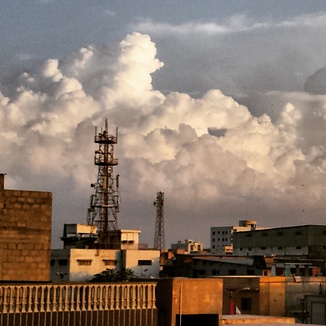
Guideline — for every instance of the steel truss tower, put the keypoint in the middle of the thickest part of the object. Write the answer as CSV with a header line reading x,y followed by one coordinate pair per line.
x,y
159,239
104,204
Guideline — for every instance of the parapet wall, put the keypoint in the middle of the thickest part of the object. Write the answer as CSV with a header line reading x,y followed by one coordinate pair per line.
x,y
25,235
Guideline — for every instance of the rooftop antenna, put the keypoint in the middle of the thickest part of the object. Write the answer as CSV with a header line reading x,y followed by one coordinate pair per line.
x,y
104,204
159,239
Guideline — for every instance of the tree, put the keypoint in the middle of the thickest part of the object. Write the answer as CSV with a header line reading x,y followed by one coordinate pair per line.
x,y
113,275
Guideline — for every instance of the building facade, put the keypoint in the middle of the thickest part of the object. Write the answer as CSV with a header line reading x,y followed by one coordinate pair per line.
x,y
25,234
304,240
80,260
222,236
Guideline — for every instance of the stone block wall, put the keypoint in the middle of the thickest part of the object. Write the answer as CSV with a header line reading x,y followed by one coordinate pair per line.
x,y
25,235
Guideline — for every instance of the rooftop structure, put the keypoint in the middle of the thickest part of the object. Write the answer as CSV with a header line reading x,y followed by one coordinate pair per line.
x,y
189,246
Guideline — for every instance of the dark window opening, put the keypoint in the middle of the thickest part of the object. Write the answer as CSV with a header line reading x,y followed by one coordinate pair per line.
x,y
144,262
246,304
109,262
63,262
84,262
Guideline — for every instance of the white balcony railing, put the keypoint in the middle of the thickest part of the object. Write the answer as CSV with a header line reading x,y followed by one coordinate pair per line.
x,y
49,298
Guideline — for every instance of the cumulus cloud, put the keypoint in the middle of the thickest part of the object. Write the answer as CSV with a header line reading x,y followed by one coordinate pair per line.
x,y
216,161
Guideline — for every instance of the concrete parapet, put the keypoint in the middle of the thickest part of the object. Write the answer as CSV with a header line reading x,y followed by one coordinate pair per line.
x,y
256,320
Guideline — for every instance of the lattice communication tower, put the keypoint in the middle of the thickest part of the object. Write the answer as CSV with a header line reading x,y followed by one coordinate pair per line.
x,y
104,204
159,239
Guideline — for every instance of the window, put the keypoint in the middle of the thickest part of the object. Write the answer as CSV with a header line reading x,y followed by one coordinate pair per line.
x,y
213,232
144,262
84,262
63,262
280,248
201,272
246,304
109,262
213,239
213,247
263,248
52,262
214,272
249,249
232,272
241,248
298,247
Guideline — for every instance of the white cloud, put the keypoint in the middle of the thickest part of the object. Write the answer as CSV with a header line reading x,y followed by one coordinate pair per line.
x,y
215,161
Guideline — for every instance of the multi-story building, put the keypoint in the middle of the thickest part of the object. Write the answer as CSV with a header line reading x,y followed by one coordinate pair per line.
x,y
80,260
189,246
25,234
222,236
305,240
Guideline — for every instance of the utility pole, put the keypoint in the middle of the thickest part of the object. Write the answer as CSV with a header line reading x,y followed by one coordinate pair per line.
x,y
104,204
159,239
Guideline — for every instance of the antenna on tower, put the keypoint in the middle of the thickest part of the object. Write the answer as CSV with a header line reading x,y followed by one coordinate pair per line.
x,y
104,204
159,239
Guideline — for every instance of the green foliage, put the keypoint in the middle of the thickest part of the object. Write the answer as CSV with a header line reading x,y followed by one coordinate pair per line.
x,y
113,275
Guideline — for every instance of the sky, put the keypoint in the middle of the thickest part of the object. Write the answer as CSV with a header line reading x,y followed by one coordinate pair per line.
x,y
219,104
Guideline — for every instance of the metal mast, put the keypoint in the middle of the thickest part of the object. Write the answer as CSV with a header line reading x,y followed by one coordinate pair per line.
x,y
104,204
159,240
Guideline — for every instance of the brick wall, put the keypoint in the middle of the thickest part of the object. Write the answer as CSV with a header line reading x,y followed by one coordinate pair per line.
x,y
25,235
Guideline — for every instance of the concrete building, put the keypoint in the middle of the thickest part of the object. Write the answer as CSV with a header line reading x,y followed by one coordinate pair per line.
x,y
25,234
189,246
182,301
203,266
302,298
305,240
222,236
82,260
